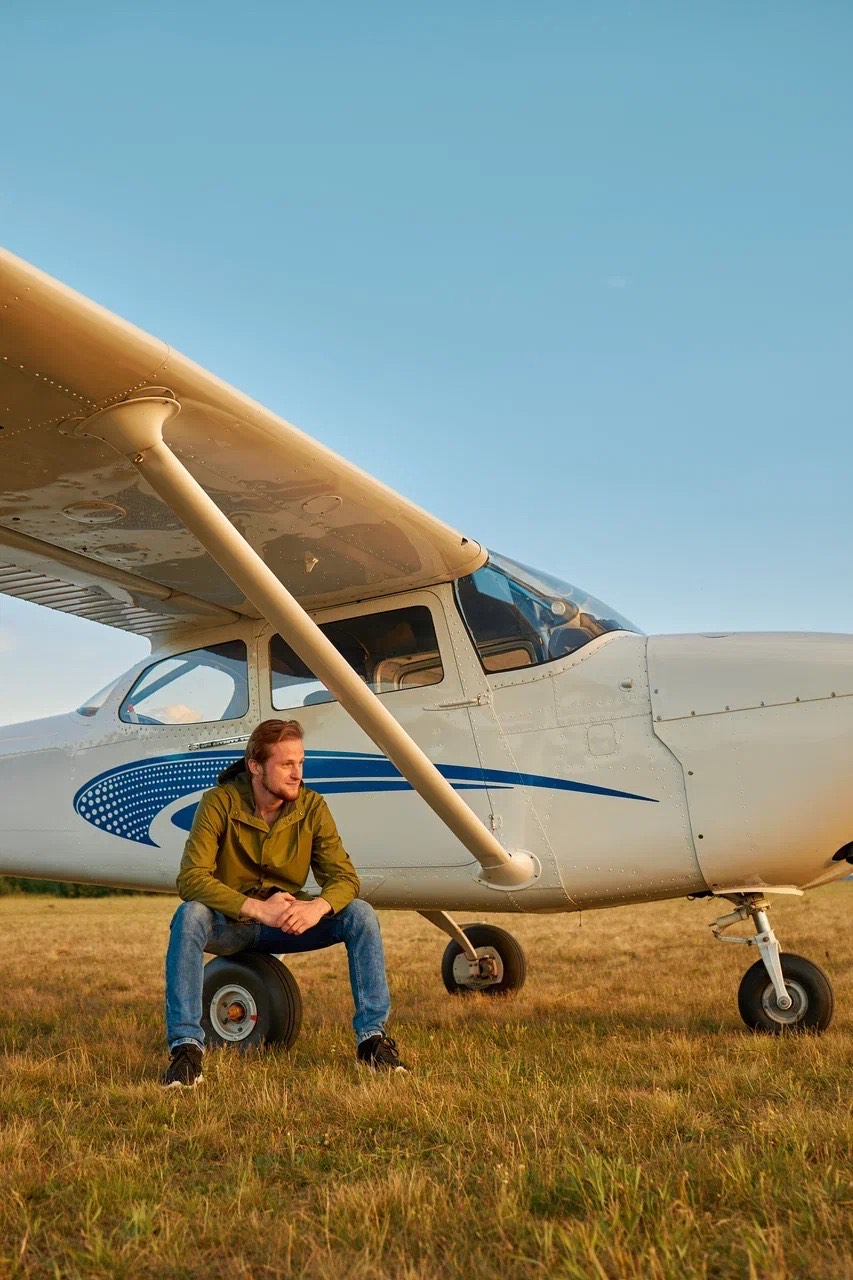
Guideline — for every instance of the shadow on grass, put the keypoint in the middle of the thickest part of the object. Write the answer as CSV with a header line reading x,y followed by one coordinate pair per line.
x,y
590,1020
37,1043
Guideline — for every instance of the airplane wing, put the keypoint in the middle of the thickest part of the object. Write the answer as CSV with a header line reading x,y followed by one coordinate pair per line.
x,y
80,530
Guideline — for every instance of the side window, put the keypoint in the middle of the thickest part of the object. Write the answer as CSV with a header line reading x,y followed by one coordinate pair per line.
x,y
396,649
191,688
92,705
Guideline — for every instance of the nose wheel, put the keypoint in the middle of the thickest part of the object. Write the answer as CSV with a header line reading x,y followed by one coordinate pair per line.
x,y
781,992
807,985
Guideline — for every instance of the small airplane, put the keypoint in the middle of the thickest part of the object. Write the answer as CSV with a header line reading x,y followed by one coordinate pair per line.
x,y
566,760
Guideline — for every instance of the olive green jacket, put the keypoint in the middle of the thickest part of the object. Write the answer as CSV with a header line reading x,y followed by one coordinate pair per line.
x,y
231,853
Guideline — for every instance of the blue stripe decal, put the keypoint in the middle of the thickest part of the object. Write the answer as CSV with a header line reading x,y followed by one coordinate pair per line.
x,y
184,817
125,800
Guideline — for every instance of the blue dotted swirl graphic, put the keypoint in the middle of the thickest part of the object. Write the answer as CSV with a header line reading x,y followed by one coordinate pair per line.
x,y
125,801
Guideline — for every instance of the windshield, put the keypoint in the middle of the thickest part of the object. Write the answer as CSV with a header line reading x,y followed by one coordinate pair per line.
x,y
519,617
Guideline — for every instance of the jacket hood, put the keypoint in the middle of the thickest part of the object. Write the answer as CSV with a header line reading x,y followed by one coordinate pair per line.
x,y
233,771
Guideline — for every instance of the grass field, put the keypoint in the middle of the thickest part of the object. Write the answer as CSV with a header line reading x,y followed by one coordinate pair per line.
x,y
613,1120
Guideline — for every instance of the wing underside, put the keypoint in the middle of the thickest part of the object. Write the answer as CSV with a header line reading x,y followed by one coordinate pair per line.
x,y
84,602
80,530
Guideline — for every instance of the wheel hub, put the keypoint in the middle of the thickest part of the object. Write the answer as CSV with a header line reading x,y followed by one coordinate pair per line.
x,y
490,969
799,1003
233,1012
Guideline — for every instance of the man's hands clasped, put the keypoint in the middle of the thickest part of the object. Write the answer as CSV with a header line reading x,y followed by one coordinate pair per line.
x,y
283,911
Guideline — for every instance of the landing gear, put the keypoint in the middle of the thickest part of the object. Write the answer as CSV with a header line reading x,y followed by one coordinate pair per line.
x,y
500,967
250,999
479,958
781,992
808,986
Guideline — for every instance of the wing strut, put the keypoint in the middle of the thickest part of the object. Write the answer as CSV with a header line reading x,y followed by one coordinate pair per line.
x,y
135,429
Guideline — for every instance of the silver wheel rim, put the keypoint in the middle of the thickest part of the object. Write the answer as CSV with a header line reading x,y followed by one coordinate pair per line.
x,y
233,1012
462,970
785,1017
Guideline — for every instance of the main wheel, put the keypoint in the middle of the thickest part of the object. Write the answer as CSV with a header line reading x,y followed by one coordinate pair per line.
x,y
807,985
503,964
250,999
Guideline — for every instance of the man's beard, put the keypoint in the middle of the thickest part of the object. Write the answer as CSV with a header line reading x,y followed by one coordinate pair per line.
x,y
279,795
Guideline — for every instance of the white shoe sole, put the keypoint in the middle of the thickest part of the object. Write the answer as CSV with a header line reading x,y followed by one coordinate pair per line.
x,y
179,1084
382,1071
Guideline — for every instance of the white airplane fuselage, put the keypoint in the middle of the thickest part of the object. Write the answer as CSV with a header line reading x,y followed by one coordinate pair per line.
x,y
636,768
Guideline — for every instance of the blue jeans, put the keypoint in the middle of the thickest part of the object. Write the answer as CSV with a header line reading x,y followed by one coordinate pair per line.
x,y
196,928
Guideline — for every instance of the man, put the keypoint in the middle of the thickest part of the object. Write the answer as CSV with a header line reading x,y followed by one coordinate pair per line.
x,y
254,839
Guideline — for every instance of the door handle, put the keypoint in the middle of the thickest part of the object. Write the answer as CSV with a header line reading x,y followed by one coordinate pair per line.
x,y
481,700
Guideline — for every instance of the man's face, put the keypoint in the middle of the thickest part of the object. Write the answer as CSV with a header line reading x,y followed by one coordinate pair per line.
x,y
281,772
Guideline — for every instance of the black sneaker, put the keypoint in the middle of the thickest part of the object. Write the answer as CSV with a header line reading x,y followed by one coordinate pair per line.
x,y
379,1053
184,1069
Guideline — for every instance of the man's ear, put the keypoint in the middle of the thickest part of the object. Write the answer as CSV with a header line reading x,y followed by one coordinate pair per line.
x,y
254,768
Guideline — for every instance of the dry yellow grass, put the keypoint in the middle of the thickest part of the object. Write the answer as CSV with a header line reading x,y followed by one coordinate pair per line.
x,y
613,1120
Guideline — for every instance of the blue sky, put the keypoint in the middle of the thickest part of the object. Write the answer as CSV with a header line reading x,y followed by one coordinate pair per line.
x,y
575,278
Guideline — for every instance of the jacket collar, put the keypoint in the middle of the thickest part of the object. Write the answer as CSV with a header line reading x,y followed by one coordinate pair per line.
x,y
243,805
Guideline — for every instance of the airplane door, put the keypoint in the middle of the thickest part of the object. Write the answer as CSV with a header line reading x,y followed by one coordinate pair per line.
x,y
402,648
501,720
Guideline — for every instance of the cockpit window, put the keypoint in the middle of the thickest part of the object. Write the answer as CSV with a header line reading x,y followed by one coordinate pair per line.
x,y
519,617
197,687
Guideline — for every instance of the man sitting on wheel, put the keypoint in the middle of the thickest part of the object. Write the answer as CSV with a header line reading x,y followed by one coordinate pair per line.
x,y
254,839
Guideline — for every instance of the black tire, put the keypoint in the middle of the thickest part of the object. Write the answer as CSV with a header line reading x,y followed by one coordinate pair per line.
x,y
512,958
265,989
807,984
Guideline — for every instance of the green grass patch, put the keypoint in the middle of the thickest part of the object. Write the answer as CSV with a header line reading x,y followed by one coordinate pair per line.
x,y
615,1119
